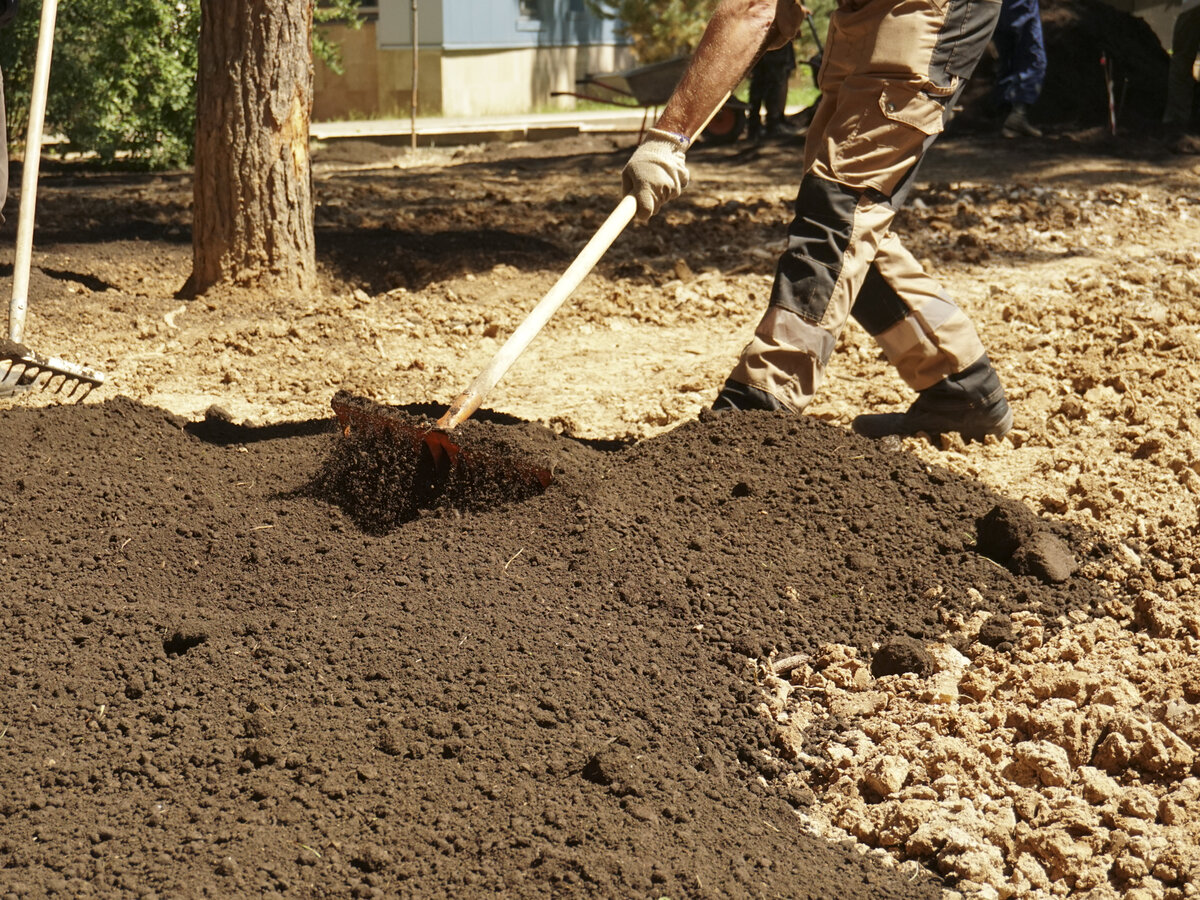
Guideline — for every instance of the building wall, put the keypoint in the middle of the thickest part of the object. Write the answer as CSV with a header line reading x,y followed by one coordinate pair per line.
x,y
376,83
477,57
498,82
490,24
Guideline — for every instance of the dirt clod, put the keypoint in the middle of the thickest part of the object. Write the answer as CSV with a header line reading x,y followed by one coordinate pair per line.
x,y
899,655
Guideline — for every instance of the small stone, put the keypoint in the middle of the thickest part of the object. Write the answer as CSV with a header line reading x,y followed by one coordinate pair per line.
x,y
135,687
996,630
1139,803
1156,615
1060,854
391,741
371,858
1048,761
260,753
942,689
1098,788
887,775
1006,527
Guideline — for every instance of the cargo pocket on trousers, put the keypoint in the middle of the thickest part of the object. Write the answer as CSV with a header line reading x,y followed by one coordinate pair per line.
x,y
923,110
889,137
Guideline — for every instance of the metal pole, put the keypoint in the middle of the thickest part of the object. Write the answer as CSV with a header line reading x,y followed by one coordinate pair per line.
x,y
416,47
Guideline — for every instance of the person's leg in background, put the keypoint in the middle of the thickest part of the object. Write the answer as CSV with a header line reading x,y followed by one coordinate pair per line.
x,y
783,63
1181,85
1022,64
758,86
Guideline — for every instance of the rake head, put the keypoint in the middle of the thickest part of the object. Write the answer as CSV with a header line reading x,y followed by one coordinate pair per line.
x,y
23,370
439,466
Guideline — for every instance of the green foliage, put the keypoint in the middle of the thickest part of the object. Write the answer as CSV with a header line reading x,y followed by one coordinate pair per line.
x,y
343,12
658,30
123,76
662,30
122,79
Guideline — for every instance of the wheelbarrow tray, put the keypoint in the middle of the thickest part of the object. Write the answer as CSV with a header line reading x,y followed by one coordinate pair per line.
x,y
649,85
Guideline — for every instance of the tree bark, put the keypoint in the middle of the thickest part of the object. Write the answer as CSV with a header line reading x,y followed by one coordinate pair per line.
x,y
252,196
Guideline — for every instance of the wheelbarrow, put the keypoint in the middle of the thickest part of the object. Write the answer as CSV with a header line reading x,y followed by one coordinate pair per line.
x,y
649,87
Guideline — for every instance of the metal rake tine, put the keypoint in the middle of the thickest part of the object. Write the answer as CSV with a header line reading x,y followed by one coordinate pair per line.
x,y
15,381
76,384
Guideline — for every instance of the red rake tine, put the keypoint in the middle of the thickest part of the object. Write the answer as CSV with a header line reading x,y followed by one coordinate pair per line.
x,y
444,456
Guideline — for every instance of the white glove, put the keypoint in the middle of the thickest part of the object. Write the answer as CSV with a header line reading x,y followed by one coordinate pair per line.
x,y
657,172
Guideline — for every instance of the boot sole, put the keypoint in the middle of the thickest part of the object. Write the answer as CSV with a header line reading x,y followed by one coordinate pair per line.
x,y
880,425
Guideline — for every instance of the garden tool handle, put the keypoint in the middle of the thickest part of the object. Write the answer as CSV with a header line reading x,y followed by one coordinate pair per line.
x,y
23,255
466,403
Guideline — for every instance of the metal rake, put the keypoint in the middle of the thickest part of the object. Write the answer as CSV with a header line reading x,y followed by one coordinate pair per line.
x,y
21,369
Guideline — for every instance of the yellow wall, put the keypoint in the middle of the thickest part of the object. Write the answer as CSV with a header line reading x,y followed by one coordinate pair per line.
x,y
378,83
496,82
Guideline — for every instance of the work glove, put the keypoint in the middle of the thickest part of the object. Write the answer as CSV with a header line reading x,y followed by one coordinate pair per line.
x,y
657,172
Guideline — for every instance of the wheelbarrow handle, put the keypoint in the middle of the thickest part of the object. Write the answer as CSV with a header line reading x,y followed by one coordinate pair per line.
x,y
466,403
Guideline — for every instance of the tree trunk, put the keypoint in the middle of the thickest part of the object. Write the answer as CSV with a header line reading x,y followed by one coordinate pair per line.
x,y
253,209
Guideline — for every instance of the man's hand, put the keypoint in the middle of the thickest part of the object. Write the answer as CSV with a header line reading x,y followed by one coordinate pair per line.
x,y
656,173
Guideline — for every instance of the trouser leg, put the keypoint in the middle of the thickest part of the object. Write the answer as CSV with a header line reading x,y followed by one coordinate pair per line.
x,y
1022,52
888,83
921,331
758,85
1185,41
775,101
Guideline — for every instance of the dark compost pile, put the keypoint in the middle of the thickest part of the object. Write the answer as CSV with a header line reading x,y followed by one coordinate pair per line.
x,y
217,683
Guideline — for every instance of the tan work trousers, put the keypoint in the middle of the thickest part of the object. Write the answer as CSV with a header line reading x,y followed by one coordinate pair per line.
x,y
891,72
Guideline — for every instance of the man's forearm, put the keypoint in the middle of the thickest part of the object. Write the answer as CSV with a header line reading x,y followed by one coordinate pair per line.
x,y
737,32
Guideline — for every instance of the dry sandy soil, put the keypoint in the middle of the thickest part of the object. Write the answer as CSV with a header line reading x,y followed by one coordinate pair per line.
x,y
1040,740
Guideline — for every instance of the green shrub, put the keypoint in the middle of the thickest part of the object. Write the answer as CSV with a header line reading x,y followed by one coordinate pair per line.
x,y
123,76
663,29
658,30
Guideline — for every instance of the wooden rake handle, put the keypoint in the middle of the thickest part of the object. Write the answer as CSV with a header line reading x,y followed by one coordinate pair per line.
x,y
466,403
23,255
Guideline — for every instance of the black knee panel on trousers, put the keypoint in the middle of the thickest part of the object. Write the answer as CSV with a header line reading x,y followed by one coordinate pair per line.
x,y
817,242
877,307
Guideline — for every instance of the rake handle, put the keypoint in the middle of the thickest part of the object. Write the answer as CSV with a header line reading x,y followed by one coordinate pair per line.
x,y
466,403
23,255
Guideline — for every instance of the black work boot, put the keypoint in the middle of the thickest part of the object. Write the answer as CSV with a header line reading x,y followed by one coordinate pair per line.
x,y
970,403
735,395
